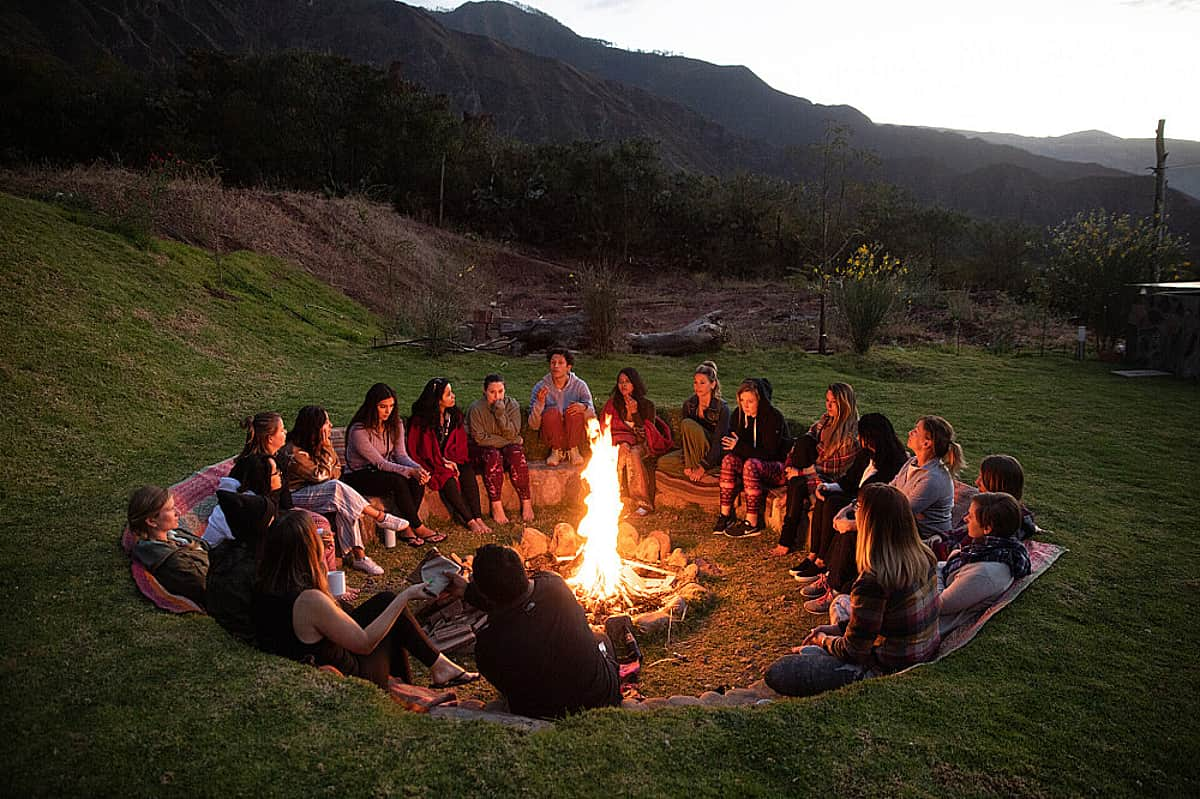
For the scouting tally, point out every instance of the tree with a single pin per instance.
(1095, 257)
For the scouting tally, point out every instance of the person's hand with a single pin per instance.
(579, 405)
(789, 472)
(729, 441)
(415, 591)
(821, 490)
(350, 595)
(631, 405)
(456, 588)
(843, 525)
(452, 466)
(542, 394)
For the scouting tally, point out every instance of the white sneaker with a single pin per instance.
(367, 566)
(390, 522)
(576, 456)
(554, 458)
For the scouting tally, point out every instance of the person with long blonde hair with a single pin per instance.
(823, 455)
(295, 615)
(894, 606)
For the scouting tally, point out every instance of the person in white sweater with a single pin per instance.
(987, 563)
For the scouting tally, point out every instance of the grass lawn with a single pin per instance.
(121, 366)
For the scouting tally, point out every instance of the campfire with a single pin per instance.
(605, 582)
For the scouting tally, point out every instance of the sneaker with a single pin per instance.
(743, 529)
(723, 521)
(554, 458)
(390, 522)
(820, 604)
(806, 568)
(367, 566)
(575, 456)
(815, 589)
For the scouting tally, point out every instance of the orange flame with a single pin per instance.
(600, 574)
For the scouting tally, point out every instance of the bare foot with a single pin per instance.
(779, 551)
(498, 513)
(479, 527)
(527, 511)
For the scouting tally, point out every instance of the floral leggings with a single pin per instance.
(754, 475)
(492, 461)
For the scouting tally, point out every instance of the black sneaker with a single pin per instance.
(806, 569)
(722, 523)
(743, 529)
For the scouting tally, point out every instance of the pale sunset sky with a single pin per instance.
(1031, 67)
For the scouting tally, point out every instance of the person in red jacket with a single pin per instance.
(437, 439)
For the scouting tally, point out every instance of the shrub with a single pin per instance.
(601, 288)
(866, 289)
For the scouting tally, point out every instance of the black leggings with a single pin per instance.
(823, 535)
(794, 530)
(461, 496)
(390, 657)
(405, 492)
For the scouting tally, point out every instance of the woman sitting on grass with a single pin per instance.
(987, 563)
(378, 463)
(705, 422)
(893, 621)
(879, 459)
(296, 617)
(628, 412)
(176, 558)
(437, 441)
(822, 455)
(265, 436)
(1001, 473)
(755, 449)
(312, 473)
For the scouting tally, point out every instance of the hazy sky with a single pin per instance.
(1033, 67)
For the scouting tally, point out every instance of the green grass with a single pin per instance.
(120, 366)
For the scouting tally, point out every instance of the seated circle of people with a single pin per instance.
(437, 440)
(494, 444)
(926, 479)
(879, 459)
(754, 452)
(559, 408)
(704, 422)
(537, 647)
(639, 437)
(296, 616)
(311, 475)
(892, 621)
(177, 559)
(822, 455)
(378, 463)
(986, 564)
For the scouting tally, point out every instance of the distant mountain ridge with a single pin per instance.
(1135, 156)
(540, 82)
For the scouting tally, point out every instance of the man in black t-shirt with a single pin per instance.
(537, 647)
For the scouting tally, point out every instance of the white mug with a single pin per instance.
(337, 582)
(389, 538)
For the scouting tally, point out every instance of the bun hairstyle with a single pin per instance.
(259, 428)
(709, 370)
(944, 445)
(144, 503)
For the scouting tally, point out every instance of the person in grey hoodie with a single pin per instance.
(559, 408)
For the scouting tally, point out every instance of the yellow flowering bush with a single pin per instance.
(866, 290)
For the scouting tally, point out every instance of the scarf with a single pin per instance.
(990, 549)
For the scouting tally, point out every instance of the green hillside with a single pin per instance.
(121, 365)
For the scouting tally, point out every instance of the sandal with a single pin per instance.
(413, 541)
(462, 678)
(436, 538)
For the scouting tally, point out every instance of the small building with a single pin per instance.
(1164, 328)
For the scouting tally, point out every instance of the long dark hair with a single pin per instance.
(306, 432)
(879, 434)
(367, 414)
(425, 408)
(291, 556)
(639, 394)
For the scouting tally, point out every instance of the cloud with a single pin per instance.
(1173, 5)
(608, 5)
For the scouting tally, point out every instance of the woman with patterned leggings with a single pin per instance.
(755, 450)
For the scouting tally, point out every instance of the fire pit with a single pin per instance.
(605, 582)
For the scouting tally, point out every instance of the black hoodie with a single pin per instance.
(764, 437)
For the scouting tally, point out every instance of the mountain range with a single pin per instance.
(539, 81)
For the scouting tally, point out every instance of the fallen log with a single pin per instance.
(538, 334)
(701, 335)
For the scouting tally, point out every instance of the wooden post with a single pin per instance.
(442, 190)
(1160, 194)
